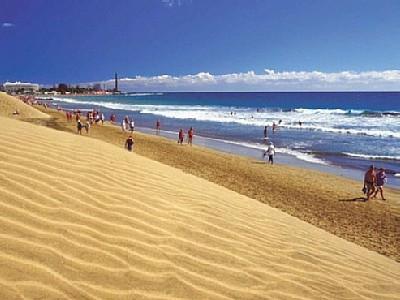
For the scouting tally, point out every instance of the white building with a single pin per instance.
(20, 87)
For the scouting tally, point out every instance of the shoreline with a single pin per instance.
(329, 202)
(296, 143)
(281, 158)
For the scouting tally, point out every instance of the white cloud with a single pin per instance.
(172, 3)
(7, 24)
(269, 80)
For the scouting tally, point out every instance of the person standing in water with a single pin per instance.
(158, 127)
(274, 127)
(381, 180)
(190, 136)
(129, 143)
(181, 136)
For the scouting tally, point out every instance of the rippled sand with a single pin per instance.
(84, 219)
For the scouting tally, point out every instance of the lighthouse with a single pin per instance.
(116, 91)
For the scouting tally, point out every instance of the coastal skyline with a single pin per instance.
(191, 45)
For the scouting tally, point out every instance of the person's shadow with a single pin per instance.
(359, 199)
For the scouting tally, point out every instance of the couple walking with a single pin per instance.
(374, 182)
(181, 136)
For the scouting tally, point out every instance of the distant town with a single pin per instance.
(27, 88)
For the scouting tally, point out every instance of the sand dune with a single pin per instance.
(9, 104)
(83, 219)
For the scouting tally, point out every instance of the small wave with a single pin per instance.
(299, 155)
(334, 121)
(374, 157)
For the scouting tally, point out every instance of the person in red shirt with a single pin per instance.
(181, 136)
(190, 136)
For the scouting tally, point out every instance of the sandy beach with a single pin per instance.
(333, 203)
(82, 218)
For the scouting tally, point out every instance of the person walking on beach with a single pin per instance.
(190, 136)
(123, 125)
(132, 125)
(381, 179)
(181, 136)
(79, 127)
(271, 153)
(87, 127)
(369, 182)
(158, 127)
(102, 119)
(126, 119)
(129, 143)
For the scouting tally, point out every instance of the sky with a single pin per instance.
(195, 45)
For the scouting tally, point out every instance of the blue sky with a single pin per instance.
(72, 41)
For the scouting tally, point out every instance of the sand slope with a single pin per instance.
(8, 105)
(83, 219)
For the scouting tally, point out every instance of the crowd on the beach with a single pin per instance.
(374, 180)
(94, 117)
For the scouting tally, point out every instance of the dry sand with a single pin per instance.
(9, 104)
(84, 219)
(326, 201)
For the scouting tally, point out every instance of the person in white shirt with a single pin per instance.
(271, 153)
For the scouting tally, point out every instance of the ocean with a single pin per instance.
(348, 130)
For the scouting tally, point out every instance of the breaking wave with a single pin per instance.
(339, 121)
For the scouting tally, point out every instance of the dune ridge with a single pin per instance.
(8, 105)
(83, 219)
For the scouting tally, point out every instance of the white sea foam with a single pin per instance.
(377, 157)
(299, 155)
(339, 121)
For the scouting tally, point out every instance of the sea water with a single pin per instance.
(345, 129)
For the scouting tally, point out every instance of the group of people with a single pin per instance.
(92, 117)
(95, 117)
(374, 180)
(128, 124)
(274, 128)
(181, 136)
(270, 151)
